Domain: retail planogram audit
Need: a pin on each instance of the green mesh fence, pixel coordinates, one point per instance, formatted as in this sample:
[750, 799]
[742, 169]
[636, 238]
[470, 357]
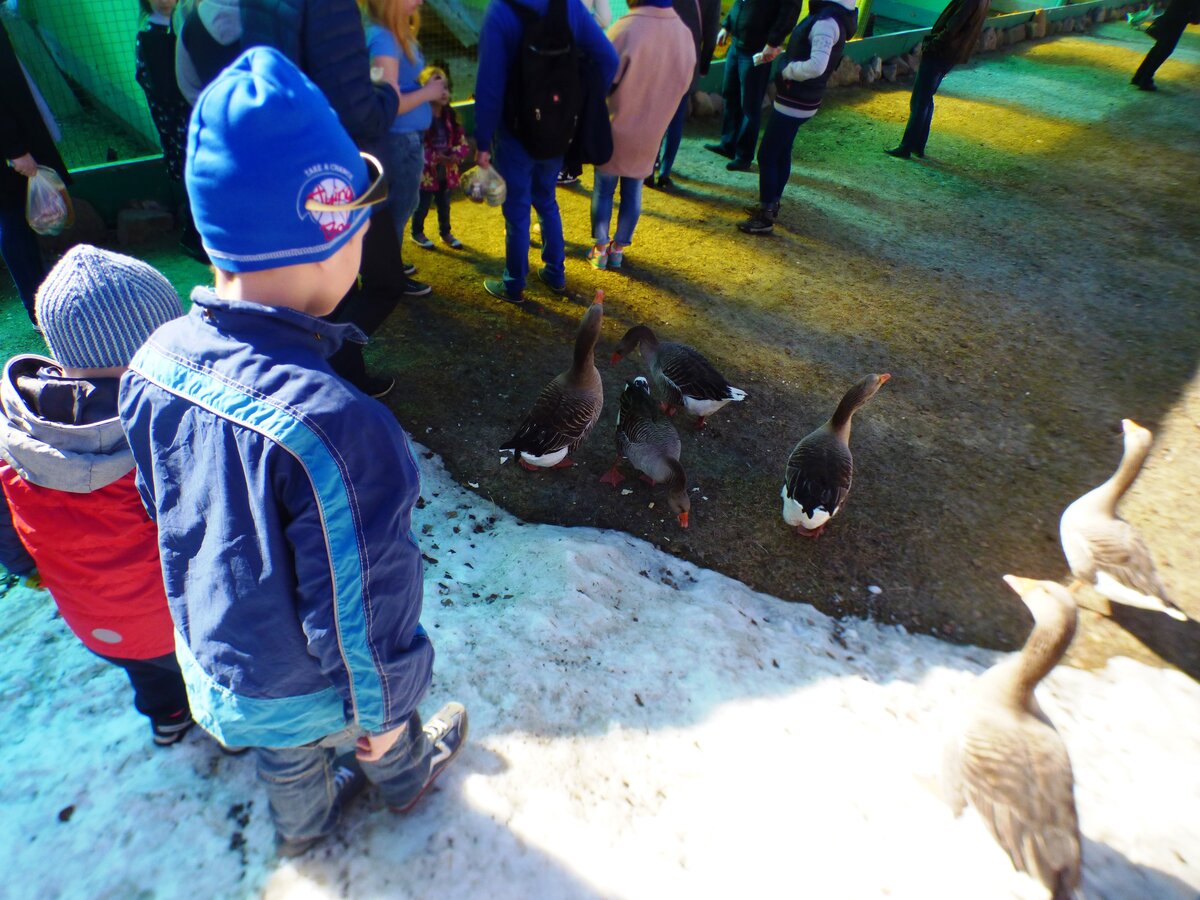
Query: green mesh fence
[80, 55]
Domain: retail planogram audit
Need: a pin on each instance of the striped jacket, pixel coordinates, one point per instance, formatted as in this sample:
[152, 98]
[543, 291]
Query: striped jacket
[283, 499]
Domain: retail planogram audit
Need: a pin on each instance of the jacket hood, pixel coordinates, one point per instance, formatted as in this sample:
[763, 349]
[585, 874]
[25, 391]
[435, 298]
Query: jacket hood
[57, 455]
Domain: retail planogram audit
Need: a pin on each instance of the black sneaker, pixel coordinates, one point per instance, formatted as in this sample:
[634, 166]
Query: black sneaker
[900, 152]
[409, 270]
[418, 238]
[565, 179]
[172, 730]
[413, 288]
[495, 287]
[348, 782]
[447, 733]
[719, 150]
[665, 182]
[738, 165]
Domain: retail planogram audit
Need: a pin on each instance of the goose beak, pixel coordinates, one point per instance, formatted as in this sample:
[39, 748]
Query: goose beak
[599, 297]
[1021, 585]
[683, 520]
[616, 358]
[884, 378]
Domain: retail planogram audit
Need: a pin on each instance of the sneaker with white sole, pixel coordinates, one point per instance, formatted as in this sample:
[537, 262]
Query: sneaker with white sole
[616, 256]
[418, 238]
[172, 730]
[447, 733]
[598, 257]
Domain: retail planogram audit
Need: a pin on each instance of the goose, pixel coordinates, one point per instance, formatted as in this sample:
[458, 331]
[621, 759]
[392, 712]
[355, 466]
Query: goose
[1010, 763]
[1105, 551]
[682, 375]
[820, 469]
[651, 445]
[567, 407]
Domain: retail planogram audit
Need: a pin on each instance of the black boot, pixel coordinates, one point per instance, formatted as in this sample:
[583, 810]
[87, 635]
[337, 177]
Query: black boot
[763, 221]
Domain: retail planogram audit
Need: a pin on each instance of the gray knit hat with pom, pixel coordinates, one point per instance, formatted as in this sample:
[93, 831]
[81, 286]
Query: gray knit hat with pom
[96, 308]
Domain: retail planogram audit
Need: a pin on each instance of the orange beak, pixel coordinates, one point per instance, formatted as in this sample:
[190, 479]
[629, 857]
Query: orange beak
[599, 297]
[683, 520]
[884, 378]
[1021, 585]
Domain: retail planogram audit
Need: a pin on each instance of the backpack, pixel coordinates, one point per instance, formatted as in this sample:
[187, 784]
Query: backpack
[544, 95]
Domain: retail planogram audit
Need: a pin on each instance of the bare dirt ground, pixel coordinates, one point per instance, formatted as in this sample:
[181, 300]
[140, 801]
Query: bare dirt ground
[1028, 285]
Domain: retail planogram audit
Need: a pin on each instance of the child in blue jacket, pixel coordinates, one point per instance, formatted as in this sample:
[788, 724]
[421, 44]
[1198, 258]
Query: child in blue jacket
[283, 495]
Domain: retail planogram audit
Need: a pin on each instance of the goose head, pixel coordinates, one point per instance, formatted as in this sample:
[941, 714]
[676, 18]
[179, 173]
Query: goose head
[638, 335]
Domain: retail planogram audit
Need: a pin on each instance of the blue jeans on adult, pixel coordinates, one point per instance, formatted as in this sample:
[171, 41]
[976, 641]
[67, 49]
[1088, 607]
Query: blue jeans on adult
[300, 787]
[603, 188]
[744, 88]
[930, 73]
[672, 139]
[775, 155]
[22, 255]
[530, 182]
[406, 162]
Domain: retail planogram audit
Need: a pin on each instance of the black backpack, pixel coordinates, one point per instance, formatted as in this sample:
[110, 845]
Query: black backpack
[544, 95]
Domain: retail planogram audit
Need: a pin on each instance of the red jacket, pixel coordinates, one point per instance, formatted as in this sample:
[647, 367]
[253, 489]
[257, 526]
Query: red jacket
[68, 475]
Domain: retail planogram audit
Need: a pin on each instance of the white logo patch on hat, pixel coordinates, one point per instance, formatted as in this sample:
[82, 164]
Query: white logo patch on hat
[331, 185]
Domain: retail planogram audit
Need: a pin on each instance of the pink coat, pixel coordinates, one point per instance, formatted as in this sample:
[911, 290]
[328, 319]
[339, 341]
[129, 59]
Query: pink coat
[657, 58]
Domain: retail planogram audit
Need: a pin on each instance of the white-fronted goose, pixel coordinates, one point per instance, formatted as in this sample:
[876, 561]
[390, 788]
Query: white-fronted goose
[567, 407]
[1105, 551]
[682, 375]
[651, 444]
[1010, 763]
[821, 467]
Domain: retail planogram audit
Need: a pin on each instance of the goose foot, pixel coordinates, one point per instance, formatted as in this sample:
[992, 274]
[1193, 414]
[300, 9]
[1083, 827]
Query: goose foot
[668, 408]
[810, 532]
[613, 476]
[564, 464]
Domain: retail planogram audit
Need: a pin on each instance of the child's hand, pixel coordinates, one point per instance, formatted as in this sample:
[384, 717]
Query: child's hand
[371, 747]
[438, 92]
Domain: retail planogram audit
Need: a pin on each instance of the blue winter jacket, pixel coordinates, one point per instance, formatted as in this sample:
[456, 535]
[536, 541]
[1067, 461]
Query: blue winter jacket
[500, 43]
[325, 39]
[283, 498]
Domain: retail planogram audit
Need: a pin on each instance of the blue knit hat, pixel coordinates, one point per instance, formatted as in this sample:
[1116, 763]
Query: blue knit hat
[264, 149]
[96, 307]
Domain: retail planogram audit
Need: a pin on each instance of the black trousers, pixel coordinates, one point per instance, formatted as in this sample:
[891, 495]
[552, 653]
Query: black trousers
[1164, 46]
[441, 197]
[158, 690]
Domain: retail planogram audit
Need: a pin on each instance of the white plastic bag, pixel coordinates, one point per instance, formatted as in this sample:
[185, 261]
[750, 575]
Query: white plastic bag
[47, 206]
[485, 184]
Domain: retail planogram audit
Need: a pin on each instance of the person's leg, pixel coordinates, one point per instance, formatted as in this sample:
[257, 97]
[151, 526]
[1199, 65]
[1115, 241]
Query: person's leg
[13, 555]
[516, 168]
[775, 156]
[920, 105]
[545, 201]
[672, 140]
[301, 790]
[442, 198]
[754, 87]
[629, 212]
[406, 154]
[22, 255]
[603, 188]
[422, 210]
[158, 694]
[731, 92]
[1163, 48]
[922, 137]
[402, 771]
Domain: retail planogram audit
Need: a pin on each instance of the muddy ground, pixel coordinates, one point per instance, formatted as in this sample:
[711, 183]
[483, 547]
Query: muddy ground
[1029, 284]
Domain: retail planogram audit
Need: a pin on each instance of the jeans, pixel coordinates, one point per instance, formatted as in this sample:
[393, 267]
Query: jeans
[602, 204]
[744, 87]
[405, 163]
[442, 198]
[22, 255]
[775, 155]
[530, 182]
[672, 139]
[300, 787]
[930, 73]
[158, 691]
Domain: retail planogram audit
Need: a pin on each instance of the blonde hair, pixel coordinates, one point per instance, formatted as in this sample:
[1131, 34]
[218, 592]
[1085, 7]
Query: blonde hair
[387, 14]
[430, 72]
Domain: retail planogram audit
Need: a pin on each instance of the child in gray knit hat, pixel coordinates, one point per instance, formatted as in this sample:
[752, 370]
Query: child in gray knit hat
[68, 473]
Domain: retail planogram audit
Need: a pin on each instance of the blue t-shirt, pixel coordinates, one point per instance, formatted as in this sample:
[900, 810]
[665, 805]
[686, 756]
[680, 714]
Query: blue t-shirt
[381, 42]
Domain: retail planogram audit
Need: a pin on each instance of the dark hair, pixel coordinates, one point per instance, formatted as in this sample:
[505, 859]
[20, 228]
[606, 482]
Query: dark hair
[145, 5]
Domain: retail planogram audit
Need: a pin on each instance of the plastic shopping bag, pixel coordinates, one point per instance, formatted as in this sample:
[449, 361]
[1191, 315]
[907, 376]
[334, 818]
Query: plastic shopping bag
[485, 184]
[48, 208]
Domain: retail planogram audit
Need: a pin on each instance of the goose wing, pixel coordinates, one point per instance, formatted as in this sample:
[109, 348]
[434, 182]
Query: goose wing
[689, 374]
[819, 473]
[562, 416]
[1116, 548]
[1017, 775]
[650, 445]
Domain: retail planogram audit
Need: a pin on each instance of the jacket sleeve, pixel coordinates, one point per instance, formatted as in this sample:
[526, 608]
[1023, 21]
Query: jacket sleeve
[458, 142]
[823, 36]
[784, 22]
[499, 37]
[710, 24]
[358, 570]
[335, 57]
[590, 38]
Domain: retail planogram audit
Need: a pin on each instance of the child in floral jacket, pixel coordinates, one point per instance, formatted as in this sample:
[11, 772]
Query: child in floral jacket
[445, 149]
